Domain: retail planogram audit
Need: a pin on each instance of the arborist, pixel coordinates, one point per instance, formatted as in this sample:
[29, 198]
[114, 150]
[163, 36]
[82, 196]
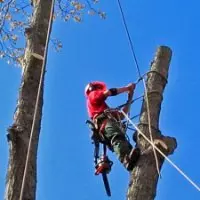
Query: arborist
[108, 123]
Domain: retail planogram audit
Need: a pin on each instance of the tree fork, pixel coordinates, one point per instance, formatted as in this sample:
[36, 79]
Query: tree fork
[144, 178]
[19, 131]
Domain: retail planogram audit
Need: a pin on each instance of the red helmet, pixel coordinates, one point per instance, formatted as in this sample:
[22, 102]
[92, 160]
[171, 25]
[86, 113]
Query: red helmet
[94, 86]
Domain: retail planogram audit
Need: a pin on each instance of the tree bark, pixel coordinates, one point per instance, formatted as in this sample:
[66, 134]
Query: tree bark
[19, 131]
[144, 177]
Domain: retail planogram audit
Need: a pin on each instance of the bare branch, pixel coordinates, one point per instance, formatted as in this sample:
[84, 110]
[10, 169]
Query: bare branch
[15, 18]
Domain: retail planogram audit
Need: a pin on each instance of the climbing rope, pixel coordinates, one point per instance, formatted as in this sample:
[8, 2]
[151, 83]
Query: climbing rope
[129, 38]
[43, 58]
[132, 101]
[161, 153]
[140, 78]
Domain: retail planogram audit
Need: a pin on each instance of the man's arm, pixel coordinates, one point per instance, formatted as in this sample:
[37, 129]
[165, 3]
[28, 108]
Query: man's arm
[116, 91]
[126, 108]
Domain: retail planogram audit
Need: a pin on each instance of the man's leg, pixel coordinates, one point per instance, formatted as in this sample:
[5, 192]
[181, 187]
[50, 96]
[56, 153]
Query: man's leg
[121, 146]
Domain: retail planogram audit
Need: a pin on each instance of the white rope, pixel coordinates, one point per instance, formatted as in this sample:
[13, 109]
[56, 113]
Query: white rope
[37, 101]
[174, 165]
[149, 125]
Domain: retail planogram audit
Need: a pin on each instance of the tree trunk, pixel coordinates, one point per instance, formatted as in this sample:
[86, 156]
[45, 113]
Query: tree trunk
[144, 178]
[19, 131]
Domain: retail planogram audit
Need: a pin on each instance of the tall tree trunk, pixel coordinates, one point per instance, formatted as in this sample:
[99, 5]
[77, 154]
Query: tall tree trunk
[144, 178]
[19, 131]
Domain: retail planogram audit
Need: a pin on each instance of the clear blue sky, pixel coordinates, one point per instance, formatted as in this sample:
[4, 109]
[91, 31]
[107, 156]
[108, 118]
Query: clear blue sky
[98, 49]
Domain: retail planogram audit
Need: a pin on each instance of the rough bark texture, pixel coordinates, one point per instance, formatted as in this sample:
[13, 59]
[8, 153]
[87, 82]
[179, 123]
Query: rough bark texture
[144, 178]
[19, 131]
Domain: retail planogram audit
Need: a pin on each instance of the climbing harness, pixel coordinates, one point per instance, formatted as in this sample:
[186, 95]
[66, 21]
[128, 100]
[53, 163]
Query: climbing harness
[102, 163]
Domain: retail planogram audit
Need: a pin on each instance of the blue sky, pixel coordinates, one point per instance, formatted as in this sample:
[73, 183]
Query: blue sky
[98, 49]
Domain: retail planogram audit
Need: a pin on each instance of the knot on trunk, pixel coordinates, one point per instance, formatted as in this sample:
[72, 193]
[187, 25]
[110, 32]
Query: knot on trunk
[13, 132]
[171, 144]
[165, 143]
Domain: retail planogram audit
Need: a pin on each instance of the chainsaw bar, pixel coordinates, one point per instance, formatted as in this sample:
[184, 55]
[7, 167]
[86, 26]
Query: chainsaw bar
[106, 184]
